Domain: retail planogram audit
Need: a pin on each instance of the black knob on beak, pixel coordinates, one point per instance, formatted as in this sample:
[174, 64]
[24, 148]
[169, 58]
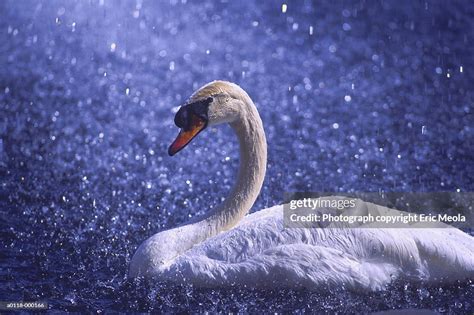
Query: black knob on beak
[182, 118]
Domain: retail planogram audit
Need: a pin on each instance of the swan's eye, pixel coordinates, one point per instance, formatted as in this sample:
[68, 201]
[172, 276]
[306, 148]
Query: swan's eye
[201, 108]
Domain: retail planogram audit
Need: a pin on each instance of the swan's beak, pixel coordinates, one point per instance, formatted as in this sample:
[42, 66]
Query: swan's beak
[187, 134]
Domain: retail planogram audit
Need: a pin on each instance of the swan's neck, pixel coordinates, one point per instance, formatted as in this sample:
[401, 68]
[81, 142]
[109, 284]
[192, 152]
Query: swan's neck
[253, 159]
[163, 248]
[252, 166]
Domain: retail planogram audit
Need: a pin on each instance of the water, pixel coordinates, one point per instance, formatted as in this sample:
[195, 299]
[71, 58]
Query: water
[88, 92]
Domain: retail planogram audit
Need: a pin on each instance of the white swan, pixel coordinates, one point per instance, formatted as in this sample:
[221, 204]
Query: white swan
[227, 247]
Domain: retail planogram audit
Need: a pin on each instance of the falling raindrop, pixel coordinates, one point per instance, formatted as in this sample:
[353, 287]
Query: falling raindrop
[423, 130]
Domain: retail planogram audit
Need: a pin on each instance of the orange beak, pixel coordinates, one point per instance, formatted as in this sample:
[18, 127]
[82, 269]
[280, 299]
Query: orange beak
[185, 136]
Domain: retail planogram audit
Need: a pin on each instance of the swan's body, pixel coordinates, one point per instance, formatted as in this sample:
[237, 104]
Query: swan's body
[228, 247]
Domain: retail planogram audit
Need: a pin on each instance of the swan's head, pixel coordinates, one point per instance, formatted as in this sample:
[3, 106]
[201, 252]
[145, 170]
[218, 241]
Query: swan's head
[215, 103]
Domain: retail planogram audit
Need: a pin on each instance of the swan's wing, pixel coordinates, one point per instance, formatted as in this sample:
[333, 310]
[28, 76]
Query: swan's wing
[260, 251]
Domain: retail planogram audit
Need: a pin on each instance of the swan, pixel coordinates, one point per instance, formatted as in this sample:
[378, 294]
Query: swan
[229, 247]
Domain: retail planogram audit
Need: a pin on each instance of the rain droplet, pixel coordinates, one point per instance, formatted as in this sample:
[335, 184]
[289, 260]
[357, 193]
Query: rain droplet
[423, 130]
[423, 293]
[284, 7]
[295, 99]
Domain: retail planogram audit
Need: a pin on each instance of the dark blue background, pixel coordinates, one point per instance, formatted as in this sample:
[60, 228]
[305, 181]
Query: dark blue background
[373, 100]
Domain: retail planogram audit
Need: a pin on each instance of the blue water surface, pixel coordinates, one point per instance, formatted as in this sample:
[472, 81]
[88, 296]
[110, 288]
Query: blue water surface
[354, 96]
